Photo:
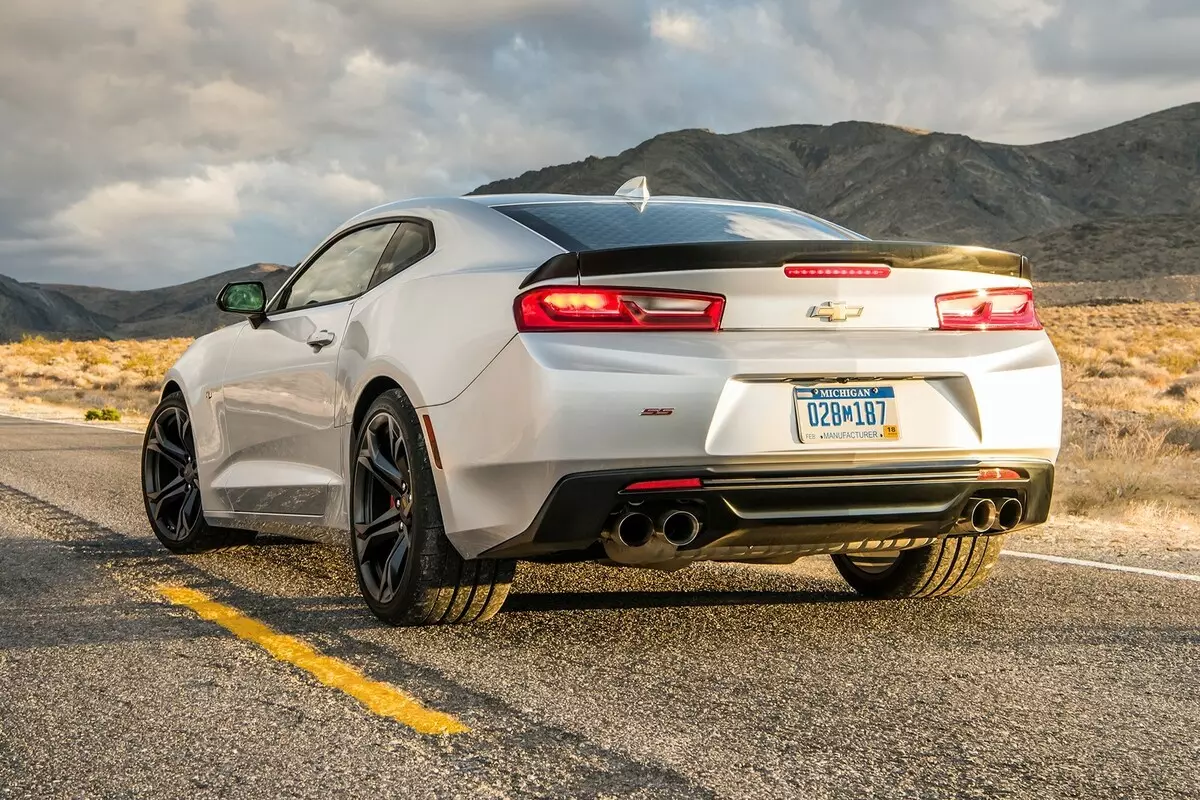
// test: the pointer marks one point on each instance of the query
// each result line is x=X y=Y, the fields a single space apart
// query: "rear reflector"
x=999 y=475
x=988 y=310
x=586 y=308
x=836 y=271
x=672 y=483
x=432 y=440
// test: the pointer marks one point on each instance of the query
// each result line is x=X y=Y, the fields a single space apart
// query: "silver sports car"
x=449 y=385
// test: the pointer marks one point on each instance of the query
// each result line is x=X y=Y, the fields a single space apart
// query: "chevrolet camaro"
x=447 y=386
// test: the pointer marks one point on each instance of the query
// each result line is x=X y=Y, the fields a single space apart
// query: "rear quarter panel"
x=435 y=327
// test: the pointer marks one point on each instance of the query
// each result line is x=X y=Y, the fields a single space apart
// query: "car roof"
x=452 y=203
x=524 y=198
x=486 y=204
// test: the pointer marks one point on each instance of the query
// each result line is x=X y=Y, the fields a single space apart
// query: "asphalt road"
x=719 y=681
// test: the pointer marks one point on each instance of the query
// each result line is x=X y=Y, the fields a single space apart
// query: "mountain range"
x=1118 y=204
x=88 y=312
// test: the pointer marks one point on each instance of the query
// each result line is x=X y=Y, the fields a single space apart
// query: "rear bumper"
x=553 y=407
x=771 y=509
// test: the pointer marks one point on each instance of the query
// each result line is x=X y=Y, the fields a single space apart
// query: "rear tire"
x=171 y=484
x=949 y=568
x=408 y=571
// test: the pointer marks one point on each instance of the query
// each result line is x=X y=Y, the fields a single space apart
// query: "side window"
x=343 y=270
x=410 y=244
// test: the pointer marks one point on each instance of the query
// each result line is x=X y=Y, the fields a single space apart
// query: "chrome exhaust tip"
x=634 y=529
x=679 y=527
x=1009 y=514
x=980 y=515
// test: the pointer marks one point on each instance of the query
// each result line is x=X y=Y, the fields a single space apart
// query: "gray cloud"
x=146 y=142
x=1154 y=40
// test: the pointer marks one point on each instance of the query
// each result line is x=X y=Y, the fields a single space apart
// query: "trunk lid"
x=802 y=285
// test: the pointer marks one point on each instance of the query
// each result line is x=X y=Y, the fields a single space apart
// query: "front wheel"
x=171 y=484
x=949 y=568
x=408 y=571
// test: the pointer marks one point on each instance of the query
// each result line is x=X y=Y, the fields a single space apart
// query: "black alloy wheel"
x=409 y=572
x=171 y=484
x=382 y=508
x=170 y=478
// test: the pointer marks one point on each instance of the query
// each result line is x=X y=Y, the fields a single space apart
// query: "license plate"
x=847 y=414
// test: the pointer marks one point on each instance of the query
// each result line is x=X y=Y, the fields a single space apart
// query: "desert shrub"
x=1178 y=362
x=1122 y=468
x=37 y=349
x=146 y=364
x=92 y=354
x=107 y=414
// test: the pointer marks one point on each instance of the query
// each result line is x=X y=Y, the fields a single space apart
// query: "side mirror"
x=247 y=298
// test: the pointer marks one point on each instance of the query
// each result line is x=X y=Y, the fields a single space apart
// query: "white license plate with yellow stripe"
x=863 y=413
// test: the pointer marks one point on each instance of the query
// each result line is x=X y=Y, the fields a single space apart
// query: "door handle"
x=321 y=339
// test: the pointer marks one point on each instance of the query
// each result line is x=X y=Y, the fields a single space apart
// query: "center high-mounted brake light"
x=602 y=308
x=836 y=271
x=1008 y=309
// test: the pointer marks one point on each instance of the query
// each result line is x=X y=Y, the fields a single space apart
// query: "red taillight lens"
x=588 y=308
x=669 y=483
x=836 y=271
x=988 y=310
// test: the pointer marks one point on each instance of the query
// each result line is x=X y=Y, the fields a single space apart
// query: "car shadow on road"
x=606 y=601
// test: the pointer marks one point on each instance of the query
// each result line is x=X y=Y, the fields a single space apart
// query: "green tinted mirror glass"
x=243 y=298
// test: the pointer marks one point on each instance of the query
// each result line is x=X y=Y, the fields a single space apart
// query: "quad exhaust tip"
x=1009 y=514
x=634 y=529
x=678 y=527
x=981 y=515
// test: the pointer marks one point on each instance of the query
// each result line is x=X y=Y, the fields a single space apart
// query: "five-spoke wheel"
x=382 y=506
x=408 y=570
x=170 y=479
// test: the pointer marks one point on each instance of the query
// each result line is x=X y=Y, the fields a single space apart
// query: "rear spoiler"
x=756 y=254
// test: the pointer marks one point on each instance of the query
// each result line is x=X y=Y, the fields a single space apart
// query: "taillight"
x=988 y=310
x=588 y=308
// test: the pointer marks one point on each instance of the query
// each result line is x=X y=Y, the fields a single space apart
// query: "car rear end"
x=792 y=389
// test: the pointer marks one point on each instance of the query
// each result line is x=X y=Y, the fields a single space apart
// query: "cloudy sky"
x=147 y=142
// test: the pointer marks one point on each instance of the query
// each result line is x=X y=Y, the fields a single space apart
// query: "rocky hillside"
x=27 y=307
x=87 y=312
x=1118 y=248
x=890 y=182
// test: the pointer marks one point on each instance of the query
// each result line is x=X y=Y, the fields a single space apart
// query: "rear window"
x=602 y=225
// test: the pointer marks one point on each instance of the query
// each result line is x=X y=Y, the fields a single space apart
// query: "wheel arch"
x=368 y=395
x=170 y=387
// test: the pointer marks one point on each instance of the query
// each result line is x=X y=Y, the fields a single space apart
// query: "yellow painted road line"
x=381 y=698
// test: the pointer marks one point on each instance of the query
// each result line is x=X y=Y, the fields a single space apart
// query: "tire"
x=408 y=571
x=948 y=568
x=171 y=484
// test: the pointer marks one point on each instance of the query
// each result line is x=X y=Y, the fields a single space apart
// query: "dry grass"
x=1131 y=374
x=1131 y=444
x=1142 y=357
x=125 y=375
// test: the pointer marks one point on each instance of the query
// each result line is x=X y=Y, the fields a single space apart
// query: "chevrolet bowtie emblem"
x=836 y=312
